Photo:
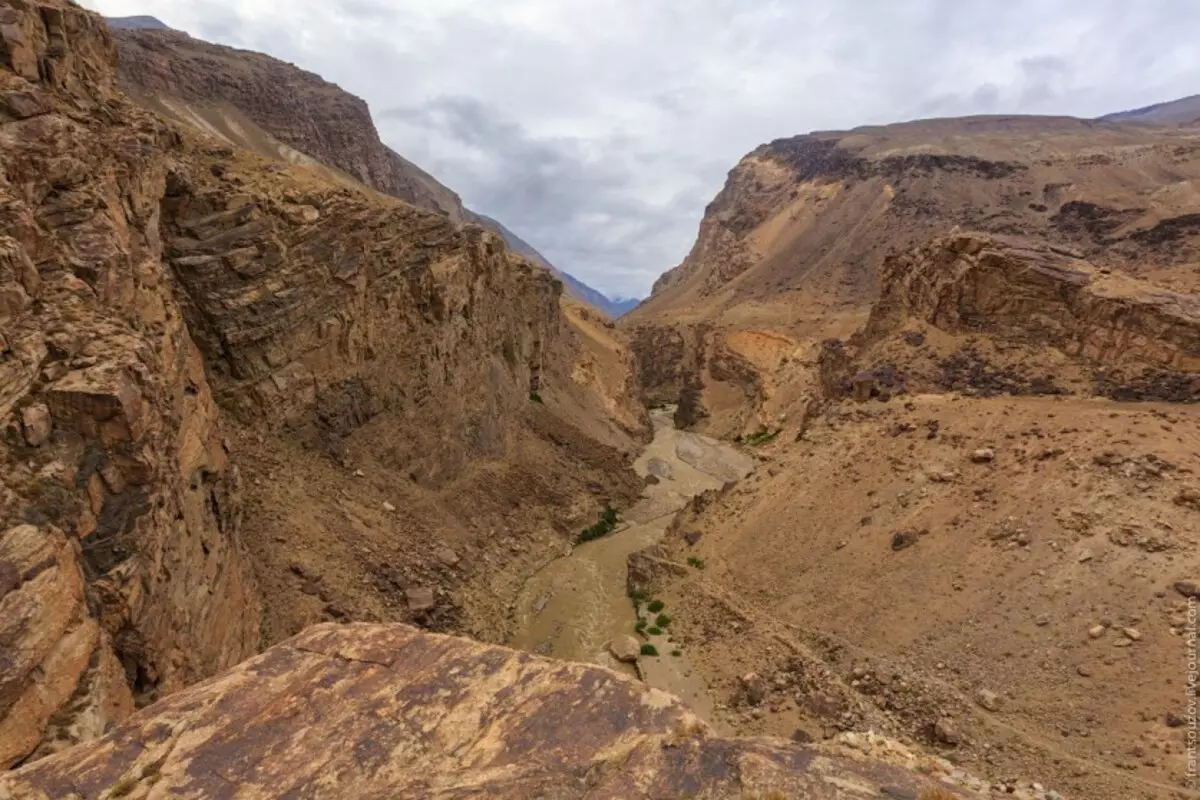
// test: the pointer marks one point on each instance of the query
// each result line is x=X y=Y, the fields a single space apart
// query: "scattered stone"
x=1173 y=720
x=1084 y=671
x=1188 y=588
x=447 y=556
x=801 y=736
x=988 y=700
x=35 y=420
x=1096 y=631
x=692 y=538
x=904 y=539
x=1188 y=497
x=420 y=598
x=1085 y=556
x=659 y=469
x=1043 y=620
x=983 y=455
x=625 y=649
x=1133 y=634
x=946 y=733
x=358 y=473
x=755 y=687
x=388 y=507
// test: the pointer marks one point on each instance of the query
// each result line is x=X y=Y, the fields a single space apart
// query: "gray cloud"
x=599 y=129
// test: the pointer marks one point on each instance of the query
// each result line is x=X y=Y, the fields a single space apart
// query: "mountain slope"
x=136 y=23
x=1183 y=111
x=277 y=109
x=788 y=252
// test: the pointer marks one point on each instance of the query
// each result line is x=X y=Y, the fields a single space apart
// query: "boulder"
x=35 y=421
x=625 y=649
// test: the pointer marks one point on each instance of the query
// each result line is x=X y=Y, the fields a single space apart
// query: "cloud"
x=599 y=129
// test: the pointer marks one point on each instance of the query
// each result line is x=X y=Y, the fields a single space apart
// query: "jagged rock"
x=946 y=732
x=370 y=710
x=1188 y=497
x=988 y=700
x=904 y=539
x=35 y=420
x=625 y=649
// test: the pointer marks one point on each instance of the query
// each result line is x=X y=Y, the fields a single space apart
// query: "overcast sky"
x=599 y=129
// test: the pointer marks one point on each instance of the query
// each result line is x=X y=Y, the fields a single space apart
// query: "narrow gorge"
x=316 y=483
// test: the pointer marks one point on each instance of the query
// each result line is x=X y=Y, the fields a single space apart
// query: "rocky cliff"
x=211 y=86
x=791 y=248
x=389 y=711
x=282 y=112
x=213 y=365
x=125 y=575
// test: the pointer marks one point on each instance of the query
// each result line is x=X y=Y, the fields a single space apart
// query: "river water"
x=575 y=605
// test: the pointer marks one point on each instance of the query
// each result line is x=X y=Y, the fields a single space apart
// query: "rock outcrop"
x=1042 y=295
x=374 y=711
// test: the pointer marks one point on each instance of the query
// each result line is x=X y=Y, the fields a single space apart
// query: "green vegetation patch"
x=608 y=521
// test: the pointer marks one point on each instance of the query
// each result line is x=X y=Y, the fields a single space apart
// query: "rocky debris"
x=1188 y=588
x=754 y=688
x=510 y=725
x=1132 y=634
x=625 y=649
x=988 y=700
x=945 y=731
x=35 y=420
x=659 y=468
x=1188 y=497
x=420 y=598
x=905 y=539
x=984 y=455
x=1096 y=631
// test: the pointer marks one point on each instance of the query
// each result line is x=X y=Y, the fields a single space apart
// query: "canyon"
x=890 y=489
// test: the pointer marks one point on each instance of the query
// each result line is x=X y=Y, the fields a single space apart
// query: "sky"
x=598 y=130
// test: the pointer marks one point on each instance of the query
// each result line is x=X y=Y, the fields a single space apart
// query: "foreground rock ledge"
x=360 y=711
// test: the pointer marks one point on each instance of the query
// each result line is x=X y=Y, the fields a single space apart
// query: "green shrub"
x=698 y=563
x=662 y=621
x=638 y=594
x=641 y=625
x=608 y=521
x=535 y=397
x=655 y=631
x=649 y=650
x=655 y=607
x=761 y=437
x=677 y=653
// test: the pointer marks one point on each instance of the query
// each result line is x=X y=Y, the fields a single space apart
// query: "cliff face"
x=444 y=718
x=200 y=352
x=124 y=573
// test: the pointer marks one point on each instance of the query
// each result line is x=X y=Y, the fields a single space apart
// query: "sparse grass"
x=662 y=621
x=649 y=650
x=762 y=436
x=535 y=397
x=654 y=631
x=608 y=521
x=655 y=606
x=698 y=563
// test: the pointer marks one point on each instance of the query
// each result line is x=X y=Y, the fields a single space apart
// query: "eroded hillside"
x=972 y=539
x=789 y=252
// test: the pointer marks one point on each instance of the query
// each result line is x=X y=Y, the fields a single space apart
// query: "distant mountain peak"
x=138 y=23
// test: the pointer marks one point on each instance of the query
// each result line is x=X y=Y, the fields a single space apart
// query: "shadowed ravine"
x=575 y=605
